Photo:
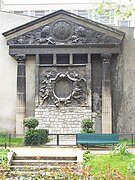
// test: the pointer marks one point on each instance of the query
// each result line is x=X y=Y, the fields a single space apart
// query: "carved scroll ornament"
x=63 y=89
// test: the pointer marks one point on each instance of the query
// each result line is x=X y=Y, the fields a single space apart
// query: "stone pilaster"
x=21 y=93
x=37 y=81
x=88 y=79
x=106 y=95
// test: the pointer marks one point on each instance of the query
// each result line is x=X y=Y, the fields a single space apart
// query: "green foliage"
x=3 y=155
x=87 y=157
x=3 y=134
x=121 y=149
x=114 y=164
x=119 y=9
x=131 y=166
x=14 y=141
x=36 y=137
x=72 y=172
x=30 y=122
x=87 y=126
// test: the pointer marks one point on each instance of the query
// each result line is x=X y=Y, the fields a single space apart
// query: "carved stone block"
x=63 y=88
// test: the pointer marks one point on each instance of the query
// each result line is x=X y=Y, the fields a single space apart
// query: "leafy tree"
x=122 y=10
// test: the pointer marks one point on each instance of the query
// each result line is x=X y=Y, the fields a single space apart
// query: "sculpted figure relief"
x=79 y=35
x=46 y=88
x=79 y=88
x=65 y=32
x=45 y=36
x=76 y=88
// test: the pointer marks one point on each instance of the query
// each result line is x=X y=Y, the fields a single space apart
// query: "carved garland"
x=63 y=89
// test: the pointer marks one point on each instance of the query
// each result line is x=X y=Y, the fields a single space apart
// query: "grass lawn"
x=14 y=141
x=128 y=142
x=110 y=163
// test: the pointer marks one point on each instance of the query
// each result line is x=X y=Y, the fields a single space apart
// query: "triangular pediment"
x=63 y=28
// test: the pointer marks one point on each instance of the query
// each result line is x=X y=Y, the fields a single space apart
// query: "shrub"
x=30 y=122
x=121 y=149
x=3 y=134
x=3 y=155
x=87 y=126
x=36 y=137
x=131 y=166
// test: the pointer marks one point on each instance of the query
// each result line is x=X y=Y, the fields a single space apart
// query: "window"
x=124 y=23
x=46 y=58
x=39 y=13
x=32 y=13
x=25 y=12
x=62 y=58
x=47 y=12
x=89 y=14
x=106 y=17
x=83 y=13
x=80 y=58
x=75 y=12
x=19 y=12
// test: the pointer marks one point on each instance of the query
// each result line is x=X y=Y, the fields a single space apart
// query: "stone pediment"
x=63 y=28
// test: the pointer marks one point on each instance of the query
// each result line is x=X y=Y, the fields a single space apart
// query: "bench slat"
x=89 y=138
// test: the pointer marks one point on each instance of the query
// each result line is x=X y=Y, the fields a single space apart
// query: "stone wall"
x=63 y=119
x=8 y=72
x=123 y=85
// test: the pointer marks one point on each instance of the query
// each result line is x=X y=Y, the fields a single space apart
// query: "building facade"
x=62 y=68
x=114 y=14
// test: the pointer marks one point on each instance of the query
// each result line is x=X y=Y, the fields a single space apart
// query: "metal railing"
x=62 y=140
x=57 y=140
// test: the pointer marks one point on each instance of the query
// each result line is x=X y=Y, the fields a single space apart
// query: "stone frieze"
x=63 y=32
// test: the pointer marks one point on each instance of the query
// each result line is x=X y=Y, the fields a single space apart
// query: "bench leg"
x=82 y=146
x=113 y=147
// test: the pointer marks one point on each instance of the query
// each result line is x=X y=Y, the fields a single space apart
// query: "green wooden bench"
x=93 y=139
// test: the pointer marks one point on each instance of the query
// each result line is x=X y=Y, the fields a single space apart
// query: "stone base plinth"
x=61 y=120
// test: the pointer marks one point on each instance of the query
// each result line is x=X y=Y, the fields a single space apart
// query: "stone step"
x=30 y=171
x=45 y=158
x=34 y=167
x=41 y=162
x=30 y=165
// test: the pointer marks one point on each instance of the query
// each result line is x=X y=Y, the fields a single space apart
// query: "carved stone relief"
x=63 y=88
x=63 y=32
x=97 y=108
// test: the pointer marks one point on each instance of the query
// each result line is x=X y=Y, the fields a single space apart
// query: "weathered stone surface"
x=64 y=123
x=63 y=31
x=66 y=33
x=62 y=88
